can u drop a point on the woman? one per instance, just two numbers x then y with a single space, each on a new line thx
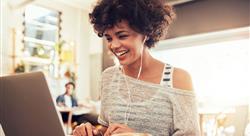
143 94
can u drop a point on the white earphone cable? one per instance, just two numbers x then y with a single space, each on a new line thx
127 114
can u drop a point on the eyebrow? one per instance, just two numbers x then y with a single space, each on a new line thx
117 33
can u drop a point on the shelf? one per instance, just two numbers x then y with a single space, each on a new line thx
45 25
48 47
43 42
43 28
52 18
36 60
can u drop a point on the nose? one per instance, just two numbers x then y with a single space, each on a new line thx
115 44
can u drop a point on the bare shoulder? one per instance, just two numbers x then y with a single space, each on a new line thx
182 79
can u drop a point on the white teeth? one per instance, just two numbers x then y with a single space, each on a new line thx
120 53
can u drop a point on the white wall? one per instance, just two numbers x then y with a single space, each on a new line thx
96 49
83 81
6 41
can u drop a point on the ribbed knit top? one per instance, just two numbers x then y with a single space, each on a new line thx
147 107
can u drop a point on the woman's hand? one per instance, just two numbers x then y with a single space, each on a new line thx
117 128
86 129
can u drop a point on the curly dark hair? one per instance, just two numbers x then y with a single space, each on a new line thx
148 17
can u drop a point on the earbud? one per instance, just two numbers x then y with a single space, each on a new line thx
145 39
140 68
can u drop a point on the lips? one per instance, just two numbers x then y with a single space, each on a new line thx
121 53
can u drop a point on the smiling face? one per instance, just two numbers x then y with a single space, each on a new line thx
125 43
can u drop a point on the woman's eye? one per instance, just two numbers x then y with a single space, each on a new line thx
123 36
108 39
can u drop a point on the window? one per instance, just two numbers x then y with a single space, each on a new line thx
219 64
41 33
217 69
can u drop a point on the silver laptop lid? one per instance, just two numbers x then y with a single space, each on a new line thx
27 108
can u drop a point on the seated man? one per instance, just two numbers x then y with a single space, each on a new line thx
68 100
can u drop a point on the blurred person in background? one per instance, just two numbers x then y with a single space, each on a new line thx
67 100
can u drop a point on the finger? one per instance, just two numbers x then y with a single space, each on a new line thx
110 129
99 130
82 130
107 133
95 131
119 125
116 126
89 129
118 130
76 131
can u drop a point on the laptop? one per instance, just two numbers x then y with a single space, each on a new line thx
27 107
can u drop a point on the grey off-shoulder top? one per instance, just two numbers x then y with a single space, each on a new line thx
147 107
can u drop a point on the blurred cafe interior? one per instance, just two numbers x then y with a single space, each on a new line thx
209 38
